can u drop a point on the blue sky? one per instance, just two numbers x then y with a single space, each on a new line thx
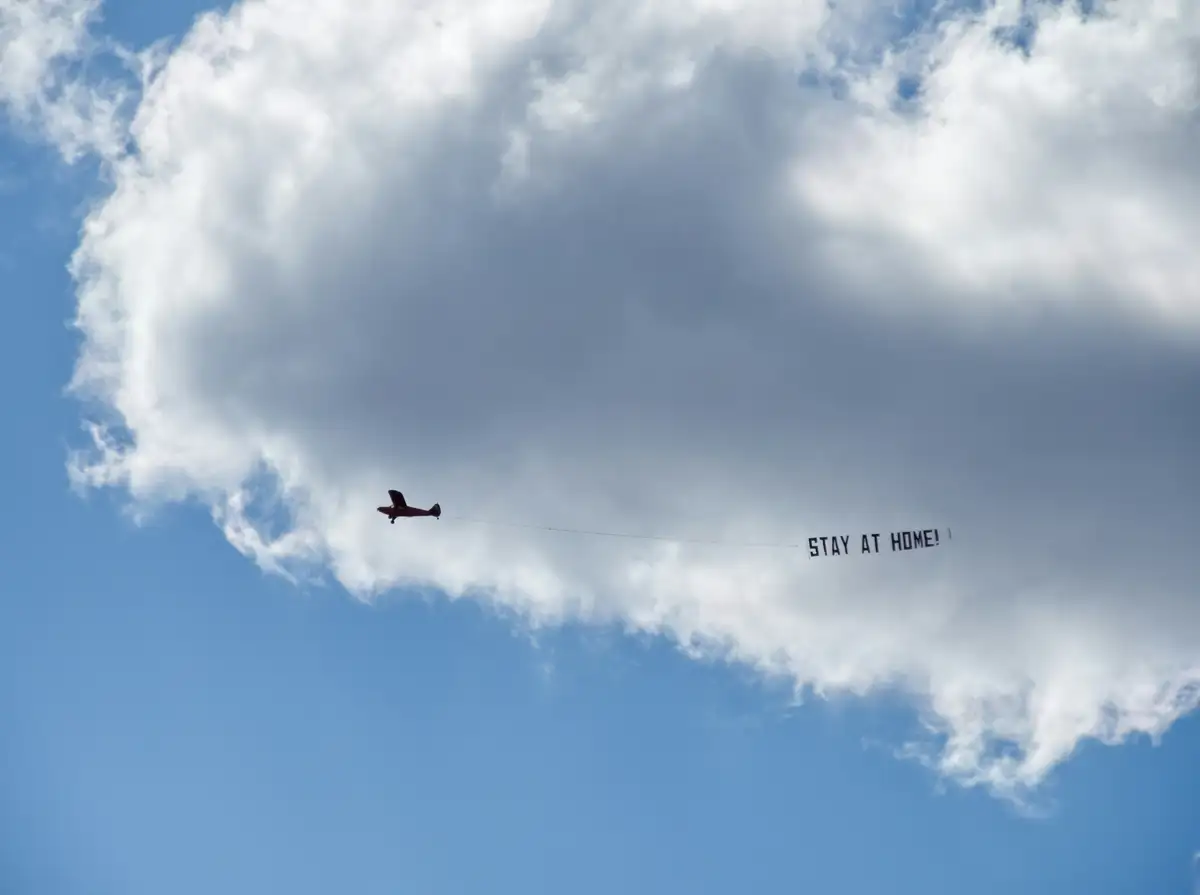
177 721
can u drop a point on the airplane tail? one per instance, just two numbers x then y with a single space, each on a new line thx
436 510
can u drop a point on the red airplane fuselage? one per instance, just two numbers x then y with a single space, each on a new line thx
393 512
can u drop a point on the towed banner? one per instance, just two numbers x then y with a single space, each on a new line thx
839 545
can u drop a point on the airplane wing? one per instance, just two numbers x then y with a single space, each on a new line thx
397 498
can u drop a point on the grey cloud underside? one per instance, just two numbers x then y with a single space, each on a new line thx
650 346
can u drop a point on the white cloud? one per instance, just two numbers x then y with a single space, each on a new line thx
1061 175
39 41
613 267
33 36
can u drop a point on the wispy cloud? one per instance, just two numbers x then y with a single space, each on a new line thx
43 45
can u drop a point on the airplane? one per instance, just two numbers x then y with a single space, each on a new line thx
400 508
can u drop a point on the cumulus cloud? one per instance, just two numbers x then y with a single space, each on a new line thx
697 269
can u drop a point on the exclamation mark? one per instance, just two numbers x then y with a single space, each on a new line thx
936 539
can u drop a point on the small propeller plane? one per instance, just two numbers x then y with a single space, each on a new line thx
400 508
